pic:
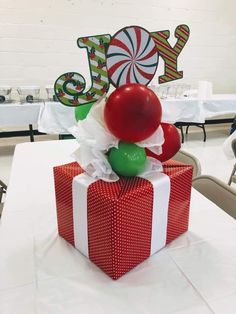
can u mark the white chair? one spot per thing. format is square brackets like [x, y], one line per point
[187, 158]
[218, 192]
[233, 175]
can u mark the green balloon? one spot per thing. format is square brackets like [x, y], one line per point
[81, 112]
[128, 159]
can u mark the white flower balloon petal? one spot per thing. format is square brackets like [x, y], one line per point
[154, 142]
[95, 140]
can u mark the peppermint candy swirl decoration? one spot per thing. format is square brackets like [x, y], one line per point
[132, 57]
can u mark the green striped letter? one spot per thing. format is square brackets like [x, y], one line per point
[69, 87]
[170, 54]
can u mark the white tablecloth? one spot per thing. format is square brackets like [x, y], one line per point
[183, 110]
[55, 118]
[222, 104]
[193, 110]
[41, 273]
[17, 114]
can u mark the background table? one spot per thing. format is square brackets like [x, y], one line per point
[55, 118]
[182, 110]
[220, 108]
[49, 117]
[16, 114]
[218, 105]
[41, 273]
[193, 110]
[19, 115]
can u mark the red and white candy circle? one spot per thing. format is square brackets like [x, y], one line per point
[132, 57]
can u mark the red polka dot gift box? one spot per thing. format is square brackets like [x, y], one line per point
[118, 225]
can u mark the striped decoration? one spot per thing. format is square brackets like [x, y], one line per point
[132, 57]
[170, 54]
[69, 87]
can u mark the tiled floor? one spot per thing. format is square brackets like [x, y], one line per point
[210, 154]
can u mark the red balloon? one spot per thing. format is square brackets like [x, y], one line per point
[132, 112]
[171, 145]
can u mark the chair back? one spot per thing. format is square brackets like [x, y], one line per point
[233, 145]
[218, 192]
[2, 184]
[1, 209]
[189, 159]
[3, 189]
[232, 177]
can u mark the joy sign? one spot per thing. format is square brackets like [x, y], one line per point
[130, 56]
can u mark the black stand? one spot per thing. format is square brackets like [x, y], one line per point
[31, 133]
[180, 126]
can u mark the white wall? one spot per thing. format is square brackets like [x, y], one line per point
[38, 37]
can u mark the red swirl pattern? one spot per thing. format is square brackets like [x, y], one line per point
[132, 57]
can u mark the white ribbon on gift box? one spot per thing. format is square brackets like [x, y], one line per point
[161, 195]
[94, 141]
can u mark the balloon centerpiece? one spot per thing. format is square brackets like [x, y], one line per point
[120, 136]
